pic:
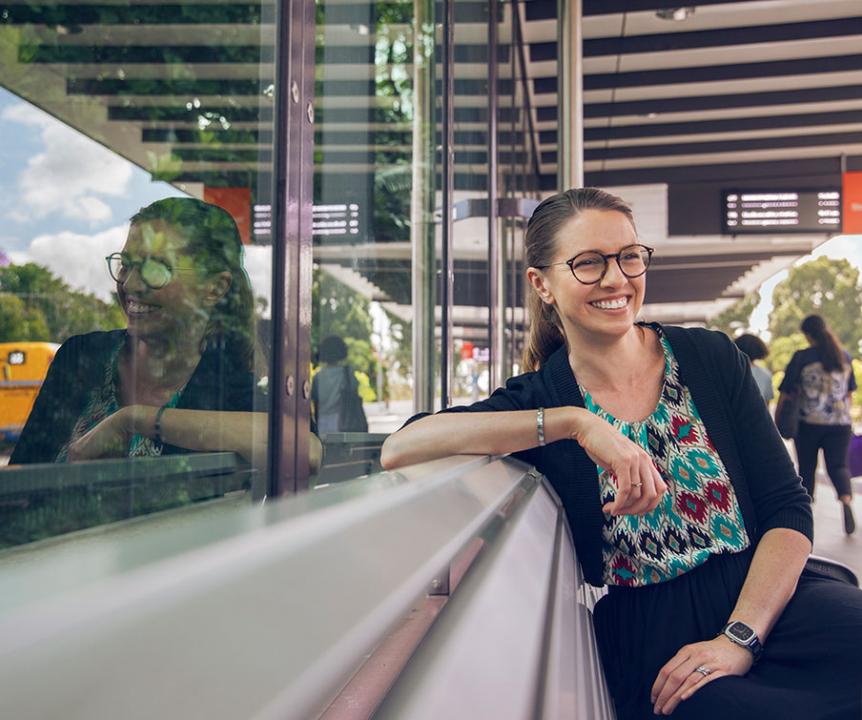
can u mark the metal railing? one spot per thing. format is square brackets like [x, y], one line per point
[450, 587]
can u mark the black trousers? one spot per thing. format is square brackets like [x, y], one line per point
[835, 442]
[811, 666]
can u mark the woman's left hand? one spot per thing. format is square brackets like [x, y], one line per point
[110, 438]
[679, 679]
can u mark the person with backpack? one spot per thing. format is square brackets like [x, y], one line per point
[335, 397]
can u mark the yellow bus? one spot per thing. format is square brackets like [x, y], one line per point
[23, 366]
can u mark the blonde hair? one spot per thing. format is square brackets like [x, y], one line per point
[546, 329]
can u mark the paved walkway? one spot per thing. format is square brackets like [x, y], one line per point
[829, 538]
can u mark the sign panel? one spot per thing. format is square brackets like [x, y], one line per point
[852, 191]
[340, 220]
[237, 201]
[781, 211]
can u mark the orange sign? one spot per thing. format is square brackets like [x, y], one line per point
[852, 203]
[237, 201]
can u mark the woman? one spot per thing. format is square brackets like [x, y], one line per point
[335, 392]
[188, 348]
[679, 492]
[755, 349]
[823, 374]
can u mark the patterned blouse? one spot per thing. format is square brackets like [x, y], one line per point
[103, 403]
[698, 516]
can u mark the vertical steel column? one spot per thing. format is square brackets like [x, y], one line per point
[513, 188]
[448, 203]
[527, 105]
[570, 96]
[496, 329]
[291, 304]
[423, 274]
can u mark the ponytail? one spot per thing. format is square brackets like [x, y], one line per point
[831, 354]
[546, 335]
[546, 330]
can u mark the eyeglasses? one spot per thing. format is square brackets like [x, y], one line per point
[154, 272]
[590, 267]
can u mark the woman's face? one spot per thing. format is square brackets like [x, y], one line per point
[610, 306]
[181, 308]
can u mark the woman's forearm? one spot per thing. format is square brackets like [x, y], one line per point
[475, 433]
[775, 569]
[244, 433]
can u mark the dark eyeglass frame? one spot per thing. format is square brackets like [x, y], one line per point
[606, 257]
[139, 264]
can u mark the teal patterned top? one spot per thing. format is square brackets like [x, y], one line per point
[103, 403]
[697, 517]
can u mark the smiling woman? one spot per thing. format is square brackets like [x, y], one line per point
[188, 345]
[185, 374]
[163, 161]
[679, 492]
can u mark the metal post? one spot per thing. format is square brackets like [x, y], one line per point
[291, 311]
[496, 336]
[527, 105]
[448, 259]
[422, 206]
[570, 96]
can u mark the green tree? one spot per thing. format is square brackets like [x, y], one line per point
[17, 323]
[345, 313]
[49, 309]
[781, 350]
[737, 316]
[824, 286]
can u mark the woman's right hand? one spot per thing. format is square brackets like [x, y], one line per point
[639, 486]
[110, 438]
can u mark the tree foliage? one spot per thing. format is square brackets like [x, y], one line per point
[824, 286]
[37, 305]
[781, 350]
[343, 312]
[737, 316]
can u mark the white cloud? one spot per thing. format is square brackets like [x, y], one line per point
[26, 114]
[69, 174]
[89, 208]
[78, 259]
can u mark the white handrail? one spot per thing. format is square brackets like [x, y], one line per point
[268, 611]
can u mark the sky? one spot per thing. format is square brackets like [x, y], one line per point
[842, 247]
[65, 200]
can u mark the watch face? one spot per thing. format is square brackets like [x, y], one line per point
[741, 632]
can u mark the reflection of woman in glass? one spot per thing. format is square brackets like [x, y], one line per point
[188, 347]
[679, 492]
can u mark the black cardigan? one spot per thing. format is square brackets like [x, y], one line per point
[218, 383]
[769, 491]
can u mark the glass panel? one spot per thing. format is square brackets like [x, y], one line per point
[471, 331]
[144, 130]
[374, 226]
[518, 181]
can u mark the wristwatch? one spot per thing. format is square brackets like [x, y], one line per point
[741, 634]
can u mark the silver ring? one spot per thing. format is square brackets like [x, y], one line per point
[703, 670]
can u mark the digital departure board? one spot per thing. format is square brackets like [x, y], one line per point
[338, 219]
[780, 211]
